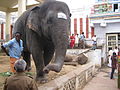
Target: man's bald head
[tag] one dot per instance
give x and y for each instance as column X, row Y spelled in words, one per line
column 20, row 65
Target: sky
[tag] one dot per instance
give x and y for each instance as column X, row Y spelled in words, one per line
column 77, row 7
column 73, row 4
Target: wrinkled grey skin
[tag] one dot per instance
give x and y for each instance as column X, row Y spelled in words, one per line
column 43, row 33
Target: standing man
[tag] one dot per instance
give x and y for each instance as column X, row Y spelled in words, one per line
column 114, row 64
column 82, row 40
column 110, row 53
column 119, row 68
column 15, row 48
column 94, row 39
column 19, row 81
column 116, row 50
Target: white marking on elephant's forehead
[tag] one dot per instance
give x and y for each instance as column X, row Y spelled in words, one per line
column 61, row 15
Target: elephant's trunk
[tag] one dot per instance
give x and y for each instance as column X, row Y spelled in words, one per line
column 60, row 40
column 60, row 53
column 60, row 48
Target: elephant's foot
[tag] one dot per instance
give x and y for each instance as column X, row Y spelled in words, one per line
column 41, row 80
column 52, row 67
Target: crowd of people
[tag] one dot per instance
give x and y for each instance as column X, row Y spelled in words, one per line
column 78, row 41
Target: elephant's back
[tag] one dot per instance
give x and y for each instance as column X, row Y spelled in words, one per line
column 20, row 23
column 54, row 5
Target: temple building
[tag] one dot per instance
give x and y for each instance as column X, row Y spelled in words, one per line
column 105, row 20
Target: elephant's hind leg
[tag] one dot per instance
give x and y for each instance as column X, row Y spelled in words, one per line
column 26, row 57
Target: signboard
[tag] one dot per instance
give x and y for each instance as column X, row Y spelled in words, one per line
column 113, row 0
column 103, row 8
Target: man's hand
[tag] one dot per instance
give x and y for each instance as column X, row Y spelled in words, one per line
column 8, row 54
column 4, row 49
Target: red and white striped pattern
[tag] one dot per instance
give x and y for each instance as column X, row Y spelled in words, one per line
column 3, row 31
column 79, row 25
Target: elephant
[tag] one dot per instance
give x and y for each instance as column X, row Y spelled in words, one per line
column 45, row 30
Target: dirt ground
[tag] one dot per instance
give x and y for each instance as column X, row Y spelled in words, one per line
column 5, row 67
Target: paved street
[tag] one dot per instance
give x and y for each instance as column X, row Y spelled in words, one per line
column 101, row 81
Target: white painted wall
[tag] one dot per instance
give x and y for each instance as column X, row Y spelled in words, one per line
column 110, row 28
column 95, row 56
column 101, row 34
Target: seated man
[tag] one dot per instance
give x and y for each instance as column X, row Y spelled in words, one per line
column 20, row 81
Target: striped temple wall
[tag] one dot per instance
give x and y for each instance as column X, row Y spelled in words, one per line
column 79, row 25
column 3, row 32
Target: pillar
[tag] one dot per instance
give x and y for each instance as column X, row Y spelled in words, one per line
column 2, row 32
column 21, row 6
column 75, row 26
column 92, row 32
column 8, row 23
column 87, row 27
column 11, row 30
column 81, row 25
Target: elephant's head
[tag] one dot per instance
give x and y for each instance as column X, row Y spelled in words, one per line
column 52, row 19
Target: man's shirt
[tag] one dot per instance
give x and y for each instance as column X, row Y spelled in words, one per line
column 82, row 37
column 14, row 48
column 94, row 39
column 20, row 81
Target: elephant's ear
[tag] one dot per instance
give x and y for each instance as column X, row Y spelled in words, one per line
column 33, row 19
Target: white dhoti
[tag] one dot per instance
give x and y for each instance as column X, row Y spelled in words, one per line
column 110, row 62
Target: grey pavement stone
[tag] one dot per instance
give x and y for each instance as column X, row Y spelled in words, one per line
column 101, row 82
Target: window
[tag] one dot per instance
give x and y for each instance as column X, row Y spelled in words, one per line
column 115, row 7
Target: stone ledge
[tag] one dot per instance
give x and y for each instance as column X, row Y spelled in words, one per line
column 72, row 80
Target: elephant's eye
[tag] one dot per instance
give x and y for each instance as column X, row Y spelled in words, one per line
column 70, row 14
column 62, row 15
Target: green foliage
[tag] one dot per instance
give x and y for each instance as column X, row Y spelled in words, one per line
column 6, row 74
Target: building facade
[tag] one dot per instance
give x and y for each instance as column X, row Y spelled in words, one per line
column 80, row 22
column 106, row 23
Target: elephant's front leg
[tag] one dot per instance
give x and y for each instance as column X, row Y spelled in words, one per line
column 39, row 63
column 48, row 52
column 35, row 48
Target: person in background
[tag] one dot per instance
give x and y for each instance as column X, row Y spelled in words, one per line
column 118, row 68
column 114, row 64
column 19, row 81
column 116, row 50
column 110, row 53
column 15, row 48
column 72, row 41
column 94, row 39
column 76, row 40
column 82, row 41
